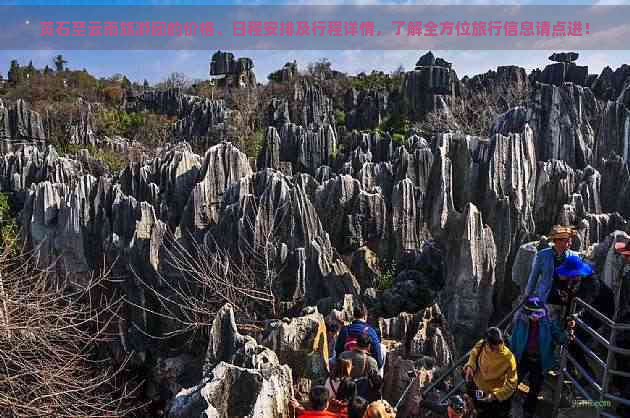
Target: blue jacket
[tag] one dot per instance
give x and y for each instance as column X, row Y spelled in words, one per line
column 549, row 334
column 356, row 327
column 540, row 278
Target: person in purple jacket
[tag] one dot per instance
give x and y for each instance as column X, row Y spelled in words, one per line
column 347, row 338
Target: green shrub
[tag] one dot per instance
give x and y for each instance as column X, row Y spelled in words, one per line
column 8, row 225
column 399, row 138
column 113, row 160
column 340, row 117
column 255, row 144
column 387, row 277
column 119, row 122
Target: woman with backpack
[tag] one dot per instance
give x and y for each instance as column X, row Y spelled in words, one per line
column 492, row 368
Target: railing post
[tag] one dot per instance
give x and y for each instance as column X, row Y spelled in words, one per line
column 609, row 360
column 557, row 393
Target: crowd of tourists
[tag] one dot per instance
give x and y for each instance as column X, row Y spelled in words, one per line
column 497, row 364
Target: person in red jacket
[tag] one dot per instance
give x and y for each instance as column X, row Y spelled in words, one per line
column 318, row 408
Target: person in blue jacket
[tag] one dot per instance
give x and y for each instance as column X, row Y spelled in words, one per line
column 347, row 338
column 533, row 342
column 541, row 277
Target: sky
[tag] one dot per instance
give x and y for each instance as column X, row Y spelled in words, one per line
column 157, row 65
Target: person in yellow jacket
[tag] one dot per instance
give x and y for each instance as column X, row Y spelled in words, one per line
column 492, row 368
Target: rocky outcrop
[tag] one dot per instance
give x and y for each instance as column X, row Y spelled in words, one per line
column 286, row 74
column 267, row 208
column 564, row 70
column 425, row 343
column 562, row 119
column 609, row 84
column 470, row 276
column 506, row 201
column 307, row 149
column 351, row 216
column 223, row 165
column 18, row 121
column 269, row 156
column 311, row 107
column 555, row 184
column 198, row 117
column 366, row 109
column 241, row 378
column 82, row 130
column 428, row 87
column 301, row 343
column 236, row 73
column 614, row 132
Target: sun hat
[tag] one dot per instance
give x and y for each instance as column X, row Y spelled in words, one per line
column 623, row 248
column 574, row 266
column 534, row 308
column 561, row 232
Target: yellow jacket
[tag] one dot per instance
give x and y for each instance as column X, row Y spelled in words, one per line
column 497, row 370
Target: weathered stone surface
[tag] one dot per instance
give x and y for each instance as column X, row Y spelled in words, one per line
column 562, row 119
column 369, row 108
column 300, row 343
column 18, row 121
column 238, row 73
column 312, row 108
column 614, row 132
column 470, row 276
column 82, row 129
column 609, row 84
column 307, row 149
column 555, row 184
column 241, row 378
column 269, row 156
column 564, row 56
column 425, row 342
column 223, row 165
column 268, row 207
column 615, row 186
column 278, row 112
column 421, row 87
column 523, row 264
column 286, row 74
column 197, row 116
column 506, row 201
column 564, row 72
column 351, row 216
column 176, row 172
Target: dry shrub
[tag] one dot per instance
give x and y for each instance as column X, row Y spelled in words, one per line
column 50, row 332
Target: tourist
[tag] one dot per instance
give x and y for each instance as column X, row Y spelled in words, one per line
column 456, row 407
column 318, row 404
column 345, row 394
column 371, row 388
column 357, row 408
column 340, row 370
column 347, row 338
column 541, row 277
column 380, row 409
column 332, row 331
column 533, row 342
column 491, row 368
column 362, row 362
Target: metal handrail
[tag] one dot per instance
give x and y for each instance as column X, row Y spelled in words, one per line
column 434, row 383
column 609, row 343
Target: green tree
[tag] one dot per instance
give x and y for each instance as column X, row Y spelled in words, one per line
column 59, row 63
column 15, row 72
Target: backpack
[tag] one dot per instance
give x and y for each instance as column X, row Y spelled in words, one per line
column 351, row 339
